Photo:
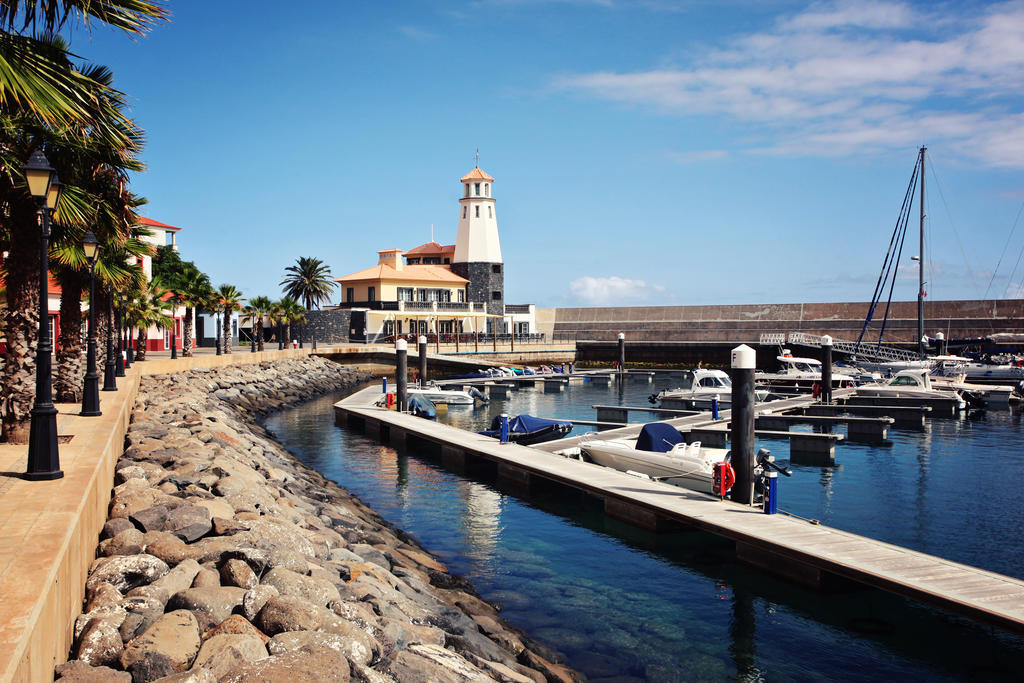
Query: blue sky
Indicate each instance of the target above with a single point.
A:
(644, 151)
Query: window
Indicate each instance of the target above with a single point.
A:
(389, 328)
(432, 260)
(350, 294)
(447, 260)
(462, 296)
(371, 294)
(487, 189)
(496, 295)
(467, 189)
(476, 189)
(478, 211)
(490, 212)
(412, 261)
(496, 268)
(463, 211)
(405, 293)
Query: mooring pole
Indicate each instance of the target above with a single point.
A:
(423, 360)
(744, 359)
(402, 373)
(826, 369)
(622, 352)
(940, 340)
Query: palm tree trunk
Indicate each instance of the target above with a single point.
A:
(67, 384)
(226, 346)
(186, 344)
(141, 341)
(287, 335)
(259, 334)
(21, 325)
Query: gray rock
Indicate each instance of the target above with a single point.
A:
(180, 578)
(433, 663)
(142, 612)
(308, 663)
(100, 643)
(125, 572)
(206, 578)
(80, 672)
(190, 676)
(288, 613)
(188, 522)
(115, 526)
(255, 598)
(127, 542)
(218, 602)
(222, 654)
(152, 666)
(112, 614)
(287, 582)
(238, 573)
(102, 595)
(151, 518)
(175, 636)
(370, 554)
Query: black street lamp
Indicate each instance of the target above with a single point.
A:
(91, 389)
(43, 454)
(174, 328)
(126, 333)
(119, 360)
(216, 316)
(110, 367)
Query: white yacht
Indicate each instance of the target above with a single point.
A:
(802, 373)
(914, 383)
(700, 387)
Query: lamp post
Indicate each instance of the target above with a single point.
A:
(174, 327)
(110, 367)
(91, 388)
(119, 360)
(43, 454)
(126, 334)
(216, 317)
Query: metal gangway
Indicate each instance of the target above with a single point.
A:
(864, 351)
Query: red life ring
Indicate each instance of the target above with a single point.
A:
(723, 479)
(391, 400)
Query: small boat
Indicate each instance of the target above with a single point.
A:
(422, 407)
(909, 384)
(526, 429)
(800, 373)
(660, 453)
(700, 386)
(437, 395)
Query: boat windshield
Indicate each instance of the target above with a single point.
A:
(805, 367)
(714, 381)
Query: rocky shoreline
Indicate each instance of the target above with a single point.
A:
(225, 559)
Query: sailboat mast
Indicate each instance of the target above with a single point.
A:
(920, 272)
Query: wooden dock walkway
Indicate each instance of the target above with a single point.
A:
(801, 550)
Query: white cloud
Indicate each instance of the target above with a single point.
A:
(844, 77)
(614, 290)
(417, 33)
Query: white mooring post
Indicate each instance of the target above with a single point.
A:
(423, 360)
(744, 359)
(622, 352)
(402, 373)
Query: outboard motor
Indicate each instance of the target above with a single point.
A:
(653, 398)
(1019, 389)
(477, 394)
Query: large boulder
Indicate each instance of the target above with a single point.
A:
(125, 572)
(308, 663)
(287, 582)
(217, 601)
(175, 636)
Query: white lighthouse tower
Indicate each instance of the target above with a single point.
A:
(477, 249)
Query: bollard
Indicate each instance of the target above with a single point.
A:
(622, 352)
(423, 360)
(742, 433)
(826, 369)
(771, 496)
(571, 364)
(383, 385)
(940, 341)
(714, 407)
(401, 373)
(504, 428)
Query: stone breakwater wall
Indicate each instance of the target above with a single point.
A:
(224, 559)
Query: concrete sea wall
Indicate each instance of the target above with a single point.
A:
(225, 559)
(746, 323)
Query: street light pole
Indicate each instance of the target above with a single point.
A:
(119, 361)
(109, 369)
(91, 387)
(216, 317)
(43, 453)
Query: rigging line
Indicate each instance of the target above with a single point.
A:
(892, 282)
(1013, 274)
(956, 234)
(879, 286)
(1005, 247)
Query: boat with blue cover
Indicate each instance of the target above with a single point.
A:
(526, 429)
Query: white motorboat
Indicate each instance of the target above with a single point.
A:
(914, 383)
(437, 395)
(659, 453)
(800, 373)
(700, 387)
(949, 374)
(988, 372)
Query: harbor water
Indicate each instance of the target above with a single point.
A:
(621, 603)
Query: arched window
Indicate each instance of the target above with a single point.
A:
(476, 188)
(467, 189)
(487, 189)
(478, 211)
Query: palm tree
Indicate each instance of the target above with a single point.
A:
(275, 314)
(146, 310)
(193, 285)
(259, 306)
(231, 300)
(291, 312)
(309, 281)
(38, 80)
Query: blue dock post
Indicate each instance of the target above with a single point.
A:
(714, 407)
(402, 373)
(504, 428)
(744, 360)
(384, 385)
(771, 500)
